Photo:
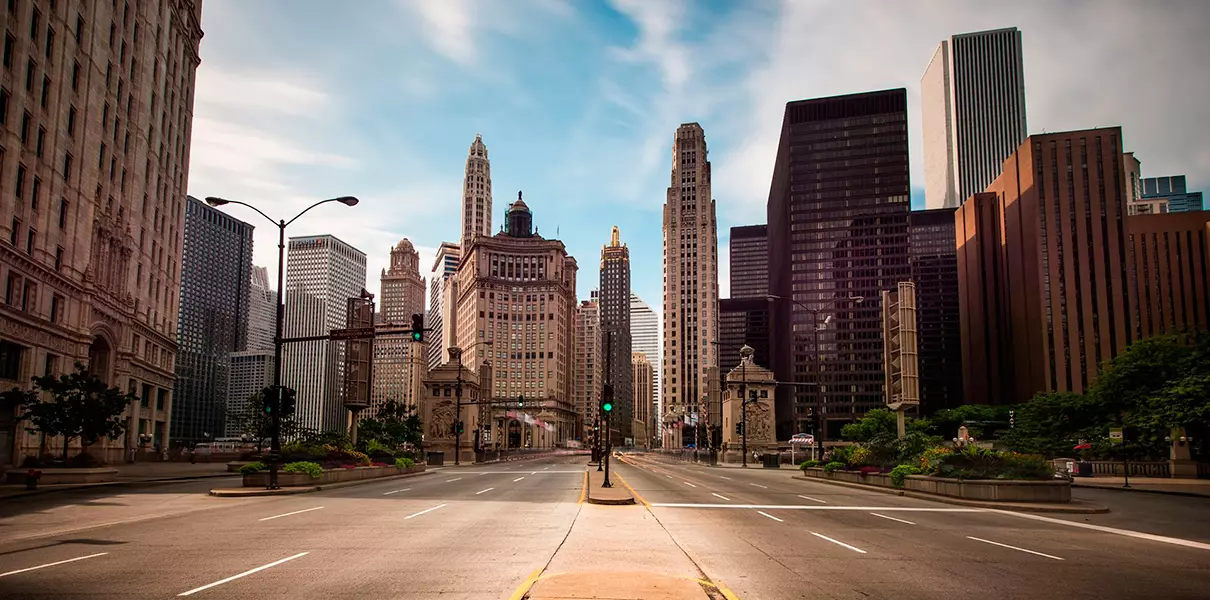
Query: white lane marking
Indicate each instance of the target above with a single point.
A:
(518, 479)
(52, 564)
(814, 507)
(892, 518)
(770, 516)
(1126, 532)
(533, 472)
(812, 499)
(759, 485)
(1013, 547)
(545, 468)
(244, 574)
(725, 477)
(424, 511)
(668, 476)
(396, 491)
(688, 484)
(453, 480)
(290, 513)
(484, 491)
(720, 496)
(838, 542)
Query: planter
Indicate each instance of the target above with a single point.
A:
(261, 479)
(993, 490)
(52, 476)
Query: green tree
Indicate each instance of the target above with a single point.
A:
(1053, 423)
(252, 421)
(1131, 382)
(878, 423)
(981, 420)
(394, 424)
(73, 405)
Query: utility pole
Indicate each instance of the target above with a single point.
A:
(607, 406)
(744, 353)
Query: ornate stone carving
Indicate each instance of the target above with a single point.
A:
(441, 420)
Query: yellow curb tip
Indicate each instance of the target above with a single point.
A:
(529, 582)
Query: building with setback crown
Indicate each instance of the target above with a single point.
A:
(516, 301)
(216, 276)
(476, 193)
(690, 285)
(93, 178)
(322, 273)
(587, 377)
(262, 311)
(399, 362)
(615, 333)
(973, 104)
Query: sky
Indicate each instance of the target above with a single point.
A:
(578, 100)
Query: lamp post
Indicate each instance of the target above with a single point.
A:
(456, 351)
(275, 444)
(745, 352)
(819, 423)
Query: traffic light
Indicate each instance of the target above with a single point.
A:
(270, 404)
(461, 428)
(417, 327)
(607, 400)
(739, 428)
(289, 401)
(520, 401)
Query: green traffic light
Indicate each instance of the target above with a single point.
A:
(416, 336)
(608, 407)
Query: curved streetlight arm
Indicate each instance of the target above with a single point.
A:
(213, 201)
(342, 200)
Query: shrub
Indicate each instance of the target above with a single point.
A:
(807, 464)
(931, 459)
(841, 454)
(404, 463)
(868, 470)
(379, 464)
(253, 467)
(899, 473)
(1026, 466)
(303, 466)
(860, 457)
(833, 466)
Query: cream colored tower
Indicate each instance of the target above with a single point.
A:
(477, 194)
(398, 361)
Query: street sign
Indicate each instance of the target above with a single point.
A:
(355, 333)
(1115, 435)
(804, 439)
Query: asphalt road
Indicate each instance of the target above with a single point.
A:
(480, 532)
(766, 535)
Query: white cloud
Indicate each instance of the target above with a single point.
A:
(449, 27)
(253, 92)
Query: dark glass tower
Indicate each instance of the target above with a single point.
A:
(933, 252)
(615, 332)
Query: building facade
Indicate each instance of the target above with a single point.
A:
(750, 263)
(587, 377)
(742, 322)
(973, 105)
(262, 311)
(1171, 191)
(516, 303)
(476, 194)
(933, 256)
(216, 277)
(96, 113)
(251, 372)
(690, 284)
(1168, 263)
(322, 273)
(645, 338)
(615, 331)
(444, 267)
(838, 221)
(1043, 269)
(643, 423)
(398, 361)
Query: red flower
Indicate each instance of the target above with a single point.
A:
(1085, 446)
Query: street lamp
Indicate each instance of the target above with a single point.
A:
(456, 351)
(275, 444)
(745, 353)
(819, 423)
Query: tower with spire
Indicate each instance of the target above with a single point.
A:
(476, 194)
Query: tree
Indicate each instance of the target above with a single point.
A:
(1053, 423)
(393, 424)
(880, 422)
(252, 421)
(80, 406)
(981, 420)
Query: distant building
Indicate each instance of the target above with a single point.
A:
(262, 311)
(1168, 264)
(216, 276)
(476, 194)
(440, 283)
(322, 273)
(742, 322)
(643, 424)
(615, 331)
(587, 377)
(750, 263)
(645, 338)
(973, 106)
(251, 373)
(398, 361)
(933, 256)
(1172, 191)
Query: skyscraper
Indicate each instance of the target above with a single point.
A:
(398, 361)
(322, 273)
(216, 274)
(933, 254)
(587, 377)
(615, 331)
(92, 211)
(973, 104)
(476, 194)
(1172, 191)
(444, 268)
(690, 281)
(838, 220)
(642, 423)
(262, 314)
(251, 372)
(749, 265)
(645, 338)
(1168, 263)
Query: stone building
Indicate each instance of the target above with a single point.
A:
(642, 424)
(587, 377)
(615, 332)
(399, 362)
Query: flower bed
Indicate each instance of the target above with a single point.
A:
(994, 490)
(260, 478)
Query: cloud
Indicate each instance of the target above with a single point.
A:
(449, 27)
(256, 92)
(456, 29)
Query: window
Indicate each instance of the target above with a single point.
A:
(75, 77)
(28, 295)
(63, 213)
(101, 158)
(37, 191)
(20, 187)
(35, 23)
(59, 258)
(10, 44)
(25, 121)
(50, 43)
(41, 142)
(12, 235)
(52, 365)
(10, 360)
(45, 91)
(71, 121)
(56, 308)
(29, 75)
(67, 166)
(30, 240)
(79, 29)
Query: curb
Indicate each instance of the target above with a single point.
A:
(290, 491)
(108, 484)
(1139, 490)
(611, 501)
(1077, 510)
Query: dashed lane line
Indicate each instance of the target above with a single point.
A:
(689, 484)
(518, 479)
(771, 516)
(60, 562)
(290, 513)
(427, 510)
(484, 491)
(244, 574)
(838, 542)
(812, 499)
(892, 518)
(1012, 547)
(720, 496)
(396, 491)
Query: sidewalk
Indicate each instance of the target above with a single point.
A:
(129, 474)
(1154, 485)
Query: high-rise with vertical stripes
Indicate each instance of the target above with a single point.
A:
(476, 194)
(973, 104)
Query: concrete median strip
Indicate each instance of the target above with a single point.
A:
(56, 563)
(618, 494)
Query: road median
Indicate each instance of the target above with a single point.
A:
(291, 490)
(617, 495)
(1073, 507)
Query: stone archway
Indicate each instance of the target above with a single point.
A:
(100, 357)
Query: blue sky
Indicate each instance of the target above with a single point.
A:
(577, 101)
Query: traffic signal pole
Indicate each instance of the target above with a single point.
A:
(607, 407)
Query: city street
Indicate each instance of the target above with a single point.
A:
(489, 531)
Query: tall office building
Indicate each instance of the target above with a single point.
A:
(516, 303)
(690, 283)
(262, 311)
(322, 273)
(750, 264)
(444, 267)
(1168, 263)
(973, 104)
(742, 322)
(216, 276)
(645, 338)
(93, 179)
(642, 424)
(933, 255)
(476, 194)
(251, 372)
(1043, 269)
(399, 362)
(838, 220)
(615, 331)
(587, 377)
(1172, 192)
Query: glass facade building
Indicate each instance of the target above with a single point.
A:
(933, 255)
(750, 262)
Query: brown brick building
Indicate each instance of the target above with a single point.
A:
(96, 110)
(1168, 262)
